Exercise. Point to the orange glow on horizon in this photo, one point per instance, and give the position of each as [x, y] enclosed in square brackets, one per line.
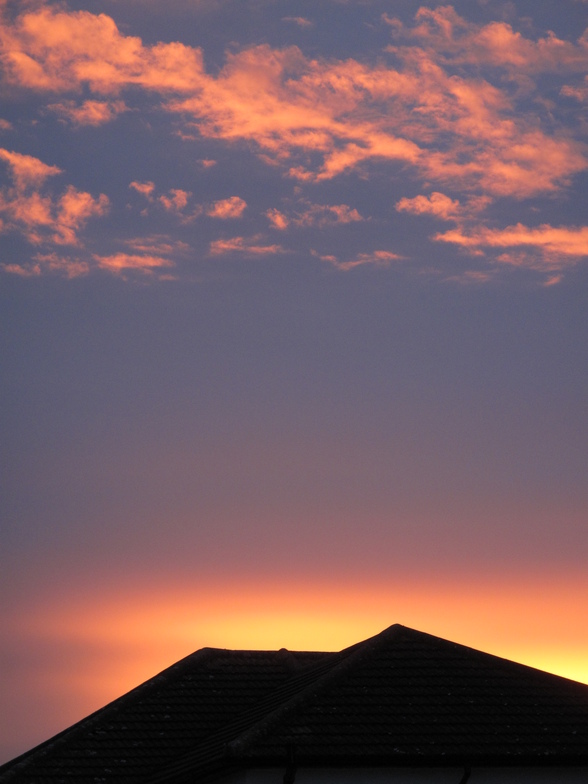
[78, 655]
[535, 623]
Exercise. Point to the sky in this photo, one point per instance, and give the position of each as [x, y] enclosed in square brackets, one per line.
[294, 335]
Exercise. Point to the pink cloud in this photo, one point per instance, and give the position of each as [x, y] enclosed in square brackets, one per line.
[44, 217]
[89, 112]
[74, 209]
[450, 125]
[144, 188]
[471, 277]
[52, 49]
[49, 263]
[157, 245]
[543, 247]
[301, 21]
[437, 204]
[247, 246]
[378, 258]
[496, 43]
[578, 91]
[325, 214]
[277, 219]
[26, 170]
[121, 263]
[314, 215]
[176, 201]
[233, 207]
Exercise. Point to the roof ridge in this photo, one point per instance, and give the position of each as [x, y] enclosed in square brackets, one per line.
[14, 766]
[253, 723]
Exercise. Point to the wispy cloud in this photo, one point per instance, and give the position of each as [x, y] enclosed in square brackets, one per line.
[544, 247]
[89, 112]
[301, 21]
[309, 214]
[123, 263]
[247, 246]
[378, 258]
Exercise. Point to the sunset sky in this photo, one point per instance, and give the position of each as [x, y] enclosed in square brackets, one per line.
[294, 335]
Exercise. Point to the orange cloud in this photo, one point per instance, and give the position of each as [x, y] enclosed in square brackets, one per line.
[437, 204]
[314, 215]
[325, 214]
[50, 49]
[544, 247]
[277, 219]
[74, 209]
[301, 21]
[144, 188]
[248, 247]
[157, 245]
[121, 263]
[233, 207]
[27, 171]
[379, 258]
[43, 263]
[89, 112]
[176, 201]
[496, 43]
[429, 111]
[43, 217]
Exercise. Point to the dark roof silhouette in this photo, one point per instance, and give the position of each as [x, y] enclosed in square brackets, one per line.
[400, 698]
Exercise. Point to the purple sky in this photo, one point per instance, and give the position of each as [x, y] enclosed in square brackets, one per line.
[292, 295]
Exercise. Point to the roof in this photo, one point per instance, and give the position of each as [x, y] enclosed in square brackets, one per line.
[400, 698]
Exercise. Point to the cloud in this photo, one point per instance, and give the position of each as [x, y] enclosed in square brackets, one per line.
[314, 215]
[49, 49]
[460, 42]
[144, 188]
[176, 201]
[325, 214]
[301, 21]
[157, 245]
[26, 170]
[277, 219]
[437, 204]
[320, 119]
[451, 129]
[43, 217]
[233, 207]
[578, 91]
[89, 112]
[470, 278]
[246, 246]
[542, 247]
[122, 263]
[378, 258]
[74, 209]
[50, 263]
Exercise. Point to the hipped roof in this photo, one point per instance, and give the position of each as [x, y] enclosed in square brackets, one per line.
[400, 698]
